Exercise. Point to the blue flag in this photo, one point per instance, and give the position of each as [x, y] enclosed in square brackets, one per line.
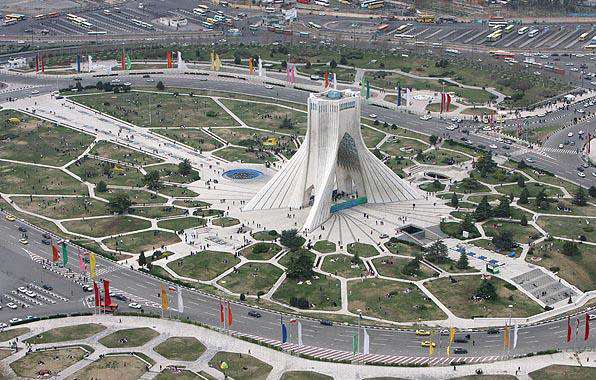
[284, 331]
[398, 95]
[78, 63]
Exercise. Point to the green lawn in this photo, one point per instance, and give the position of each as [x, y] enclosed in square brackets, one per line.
[441, 157]
[26, 179]
[497, 177]
[285, 260]
[342, 265]
[467, 188]
[118, 152]
[169, 173]
[402, 146]
[391, 300]
[93, 171]
[322, 293]
[454, 229]
[95, 247]
[556, 372]
[62, 207]
[191, 203]
[521, 234]
[204, 265]
[392, 267]
[398, 165]
[67, 333]
[241, 366]
[181, 223]
[193, 137]
[304, 375]
[403, 249]
[260, 251]
[540, 176]
[267, 116]
[533, 189]
[362, 249]
[449, 266]
[99, 227]
[573, 228]
[159, 109]
[156, 212]
[432, 187]
[142, 241]
[176, 191]
[371, 137]
[54, 360]
[488, 244]
[324, 246]
[463, 148]
[10, 334]
[138, 197]
[112, 367]
[249, 137]
[225, 221]
[265, 235]
[180, 348]
[559, 206]
[129, 337]
[38, 141]
[234, 154]
[168, 374]
[251, 278]
[436, 107]
[457, 297]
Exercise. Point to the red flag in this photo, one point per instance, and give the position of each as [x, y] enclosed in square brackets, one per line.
[169, 59]
[326, 79]
[587, 332]
[448, 101]
[43, 70]
[37, 64]
[221, 313]
[55, 254]
[568, 329]
[122, 60]
[106, 291]
[442, 102]
[96, 293]
[229, 315]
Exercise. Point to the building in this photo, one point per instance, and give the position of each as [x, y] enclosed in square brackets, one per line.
[333, 169]
[17, 63]
[174, 22]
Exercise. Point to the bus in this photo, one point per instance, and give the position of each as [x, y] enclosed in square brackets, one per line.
[224, 4]
[383, 28]
[199, 11]
[270, 10]
[97, 33]
[303, 34]
[212, 21]
[402, 28]
[206, 25]
[404, 36]
[86, 25]
[523, 30]
[14, 16]
[496, 20]
[376, 4]
[322, 3]
[452, 52]
[9, 22]
[313, 25]
[253, 27]
[533, 33]
[584, 36]
[503, 55]
[39, 17]
[203, 7]
[495, 36]
[53, 14]
[509, 28]
[71, 17]
[425, 19]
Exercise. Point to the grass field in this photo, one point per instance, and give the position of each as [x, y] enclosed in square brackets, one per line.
[27, 179]
[99, 227]
[488, 244]
[403, 147]
[392, 267]
[129, 337]
[38, 141]
[204, 265]
[181, 223]
[145, 109]
[142, 241]
[112, 367]
[156, 212]
[441, 157]
[362, 249]
[251, 278]
[176, 191]
[322, 293]
[371, 137]
[497, 177]
[249, 137]
[95, 247]
[391, 300]
[241, 366]
[260, 251]
[432, 187]
[61, 207]
[403, 249]
[559, 207]
[191, 203]
[540, 135]
[449, 144]
[225, 221]
[398, 165]
[193, 137]
[139, 197]
[304, 375]
[54, 360]
[579, 270]
[556, 372]
[521, 234]
[180, 348]
[121, 153]
[265, 235]
[10, 334]
[169, 173]
[436, 107]
[168, 374]
[93, 171]
[234, 154]
[572, 228]
[543, 177]
[456, 296]
[285, 260]
[533, 189]
[324, 246]
[267, 116]
[341, 265]
[67, 333]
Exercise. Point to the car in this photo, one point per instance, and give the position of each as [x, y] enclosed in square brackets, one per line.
[452, 127]
[134, 305]
[593, 174]
[146, 76]
[326, 322]
[46, 235]
[422, 332]
[34, 92]
[31, 294]
[591, 316]
[570, 134]
[24, 241]
[561, 146]
[585, 165]
[150, 80]
[87, 288]
[426, 117]
[493, 331]
[427, 343]
[383, 236]
[372, 116]
[15, 320]
[3, 325]
[530, 160]
[127, 84]
[9, 217]
[254, 314]
[120, 297]
[461, 338]
[580, 168]
[493, 146]
[460, 350]
[11, 305]
[46, 241]
[506, 147]
[314, 77]
[47, 287]
[269, 87]
[22, 289]
[580, 110]
[115, 80]
[581, 132]
[582, 175]
[22, 229]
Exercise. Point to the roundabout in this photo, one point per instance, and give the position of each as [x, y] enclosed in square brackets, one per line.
[242, 174]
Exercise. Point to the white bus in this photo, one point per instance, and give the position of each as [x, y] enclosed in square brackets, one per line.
[313, 25]
[270, 10]
[523, 30]
[203, 7]
[99, 32]
[322, 3]
[199, 11]
[86, 25]
[303, 34]
[402, 28]
[533, 33]
[253, 27]
[206, 25]
[404, 36]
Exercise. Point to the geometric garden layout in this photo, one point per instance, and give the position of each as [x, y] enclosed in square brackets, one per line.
[143, 208]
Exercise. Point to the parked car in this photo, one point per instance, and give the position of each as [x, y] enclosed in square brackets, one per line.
[326, 322]
[254, 314]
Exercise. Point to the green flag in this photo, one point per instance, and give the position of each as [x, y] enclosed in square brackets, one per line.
[355, 343]
[362, 91]
[367, 89]
[128, 62]
[64, 253]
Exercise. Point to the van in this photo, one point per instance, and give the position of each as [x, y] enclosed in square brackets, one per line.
[460, 350]
[461, 339]
[270, 10]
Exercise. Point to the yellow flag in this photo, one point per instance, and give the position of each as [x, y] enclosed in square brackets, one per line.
[431, 349]
[164, 299]
[92, 265]
[451, 334]
[448, 350]
[506, 338]
[217, 62]
[251, 69]
[213, 60]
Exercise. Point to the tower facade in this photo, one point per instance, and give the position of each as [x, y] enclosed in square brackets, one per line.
[332, 160]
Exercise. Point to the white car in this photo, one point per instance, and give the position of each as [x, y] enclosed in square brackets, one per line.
[561, 146]
[3, 325]
[580, 111]
[581, 174]
[11, 305]
[24, 241]
[15, 320]
[580, 132]
[570, 134]
[22, 289]
[492, 146]
[451, 127]
[34, 92]
[426, 117]
[530, 160]
[134, 305]
[268, 86]
[116, 80]
[150, 80]
[594, 174]
[372, 116]
[31, 294]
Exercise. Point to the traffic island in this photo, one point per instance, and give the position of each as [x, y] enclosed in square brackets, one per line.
[112, 367]
[180, 348]
[240, 366]
[67, 333]
[46, 363]
[129, 337]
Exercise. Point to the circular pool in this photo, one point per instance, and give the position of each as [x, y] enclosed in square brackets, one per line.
[242, 174]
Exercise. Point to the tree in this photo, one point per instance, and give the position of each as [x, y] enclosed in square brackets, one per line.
[570, 249]
[101, 187]
[343, 60]
[437, 252]
[237, 60]
[307, 65]
[151, 180]
[120, 203]
[523, 220]
[433, 139]
[454, 200]
[99, 85]
[523, 197]
[486, 290]
[333, 64]
[541, 198]
[485, 164]
[521, 182]
[522, 165]
[412, 267]
[579, 199]
[483, 210]
[184, 167]
[462, 262]
[592, 191]
[503, 240]
[291, 239]
[502, 210]
[300, 268]
[468, 223]
[160, 86]
[286, 123]
[142, 259]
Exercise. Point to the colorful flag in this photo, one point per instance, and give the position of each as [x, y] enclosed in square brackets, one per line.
[576, 327]
[326, 79]
[92, 265]
[180, 303]
[568, 329]
[431, 349]
[288, 75]
[96, 293]
[251, 69]
[81, 263]
[447, 101]
[367, 89]
[398, 95]
[128, 62]
[362, 93]
[442, 103]
[293, 73]
[451, 334]
[366, 343]
[221, 314]
[78, 63]
[164, 298]
[506, 337]
[55, 254]
[408, 97]
[230, 319]
[169, 59]
[299, 333]
[284, 330]
[515, 328]
[37, 67]
[106, 293]
[64, 253]
[334, 81]
[43, 67]
[260, 66]
[587, 330]
[355, 338]
[122, 60]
